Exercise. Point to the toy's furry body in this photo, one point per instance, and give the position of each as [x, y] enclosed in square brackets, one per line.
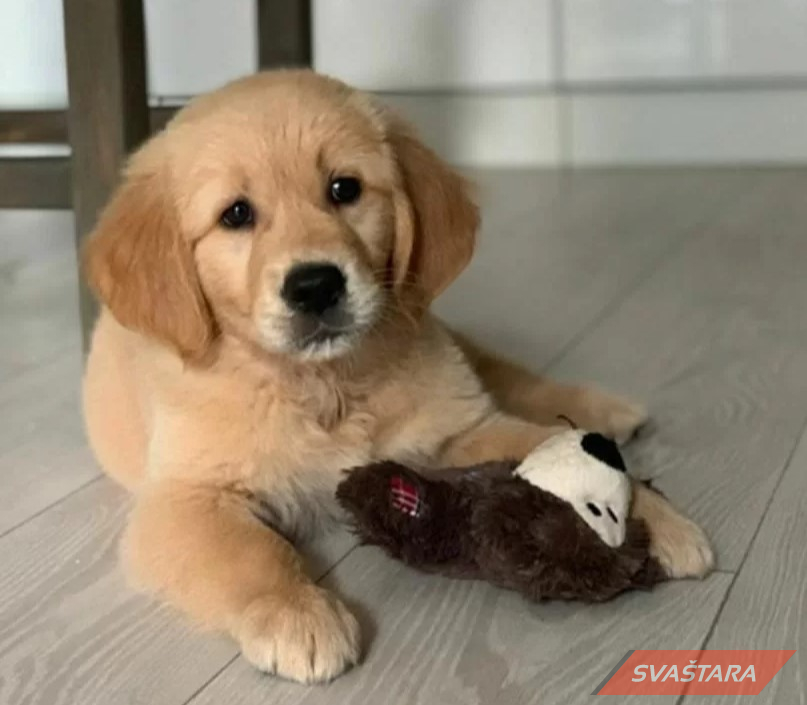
[485, 523]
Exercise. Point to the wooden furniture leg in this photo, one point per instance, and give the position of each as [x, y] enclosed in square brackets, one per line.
[284, 33]
[108, 106]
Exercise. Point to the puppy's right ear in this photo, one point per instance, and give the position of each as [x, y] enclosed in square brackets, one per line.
[142, 268]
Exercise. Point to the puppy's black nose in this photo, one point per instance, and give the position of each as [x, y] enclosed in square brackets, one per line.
[313, 287]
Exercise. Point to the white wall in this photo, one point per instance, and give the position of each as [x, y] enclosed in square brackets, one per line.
[530, 82]
[402, 45]
[193, 46]
[583, 81]
[31, 54]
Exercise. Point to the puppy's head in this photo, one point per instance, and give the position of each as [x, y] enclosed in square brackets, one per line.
[286, 210]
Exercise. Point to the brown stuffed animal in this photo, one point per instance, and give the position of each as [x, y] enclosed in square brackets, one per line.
[488, 523]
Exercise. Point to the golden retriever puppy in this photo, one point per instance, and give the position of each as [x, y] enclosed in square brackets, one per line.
[265, 269]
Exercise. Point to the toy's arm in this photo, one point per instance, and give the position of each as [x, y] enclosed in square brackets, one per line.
[422, 522]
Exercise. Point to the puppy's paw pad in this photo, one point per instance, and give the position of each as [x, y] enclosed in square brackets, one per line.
[309, 636]
[684, 551]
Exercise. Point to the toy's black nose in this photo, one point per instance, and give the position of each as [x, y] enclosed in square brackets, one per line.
[604, 449]
[313, 287]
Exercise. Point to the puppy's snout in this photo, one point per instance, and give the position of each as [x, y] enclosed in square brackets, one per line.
[313, 287]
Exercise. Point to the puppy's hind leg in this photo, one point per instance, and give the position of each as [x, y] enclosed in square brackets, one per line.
[539, 400]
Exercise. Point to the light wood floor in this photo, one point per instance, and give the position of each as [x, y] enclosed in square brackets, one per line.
[687, 289]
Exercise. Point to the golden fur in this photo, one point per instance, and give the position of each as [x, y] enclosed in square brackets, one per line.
[197, 400]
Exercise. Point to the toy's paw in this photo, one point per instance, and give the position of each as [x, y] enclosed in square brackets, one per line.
[611, 415]
[677, 543]
[309, 637]
[405, 495]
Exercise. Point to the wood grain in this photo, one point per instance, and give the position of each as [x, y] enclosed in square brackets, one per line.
[434, 640]
[50, 126]
[72, 632]
[716, 342]
[683, 287]
[107, 111]
[557, 249]
[36, 182]
[767, 605]
[284, 33]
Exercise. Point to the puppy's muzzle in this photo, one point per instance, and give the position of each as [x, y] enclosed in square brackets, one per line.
[314, 288]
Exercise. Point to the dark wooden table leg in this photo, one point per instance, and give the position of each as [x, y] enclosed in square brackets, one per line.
[284, 33]
[108, 106]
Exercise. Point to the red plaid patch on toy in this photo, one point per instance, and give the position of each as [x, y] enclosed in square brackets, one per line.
[405, 496]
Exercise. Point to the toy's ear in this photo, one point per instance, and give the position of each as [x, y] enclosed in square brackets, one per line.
[603, 449]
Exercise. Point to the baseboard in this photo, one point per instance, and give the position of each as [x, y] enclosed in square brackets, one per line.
[599, 128]
[486, 130]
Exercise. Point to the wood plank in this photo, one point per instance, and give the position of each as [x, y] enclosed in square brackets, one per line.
[38, 312]
[767, 604]
[50, 126]
[43, 450]
[438, 641]
[37, 182]
[47, 460]
[72, 632]
[284, 33]
[108, 111]
[434, 640]
[33, 126]
[708, 328]
[715, 341]
[557, 248]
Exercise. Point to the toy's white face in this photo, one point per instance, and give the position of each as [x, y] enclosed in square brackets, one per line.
[599, 493]
[603, 504]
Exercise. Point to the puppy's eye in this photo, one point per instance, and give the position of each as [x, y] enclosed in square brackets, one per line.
[344, 190]
[612, 515]
[238, 215]
[594, 509]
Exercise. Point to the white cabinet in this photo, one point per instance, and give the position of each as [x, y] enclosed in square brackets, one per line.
[432, 44]
[683, 39]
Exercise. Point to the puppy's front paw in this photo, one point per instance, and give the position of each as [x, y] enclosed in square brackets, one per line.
[611, 415]
[308, 636]
[682, 549]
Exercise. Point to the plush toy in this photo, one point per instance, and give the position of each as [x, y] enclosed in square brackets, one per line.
[587, 470]
[554, 526]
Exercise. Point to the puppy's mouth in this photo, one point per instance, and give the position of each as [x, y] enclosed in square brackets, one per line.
[310, 333]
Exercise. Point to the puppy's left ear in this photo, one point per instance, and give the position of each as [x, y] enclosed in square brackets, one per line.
[436, 220]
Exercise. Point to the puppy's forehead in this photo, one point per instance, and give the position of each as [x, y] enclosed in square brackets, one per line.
[277, 137]
[295, 115]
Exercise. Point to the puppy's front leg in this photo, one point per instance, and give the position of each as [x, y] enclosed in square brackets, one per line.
[203, 551]
[498, 437]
